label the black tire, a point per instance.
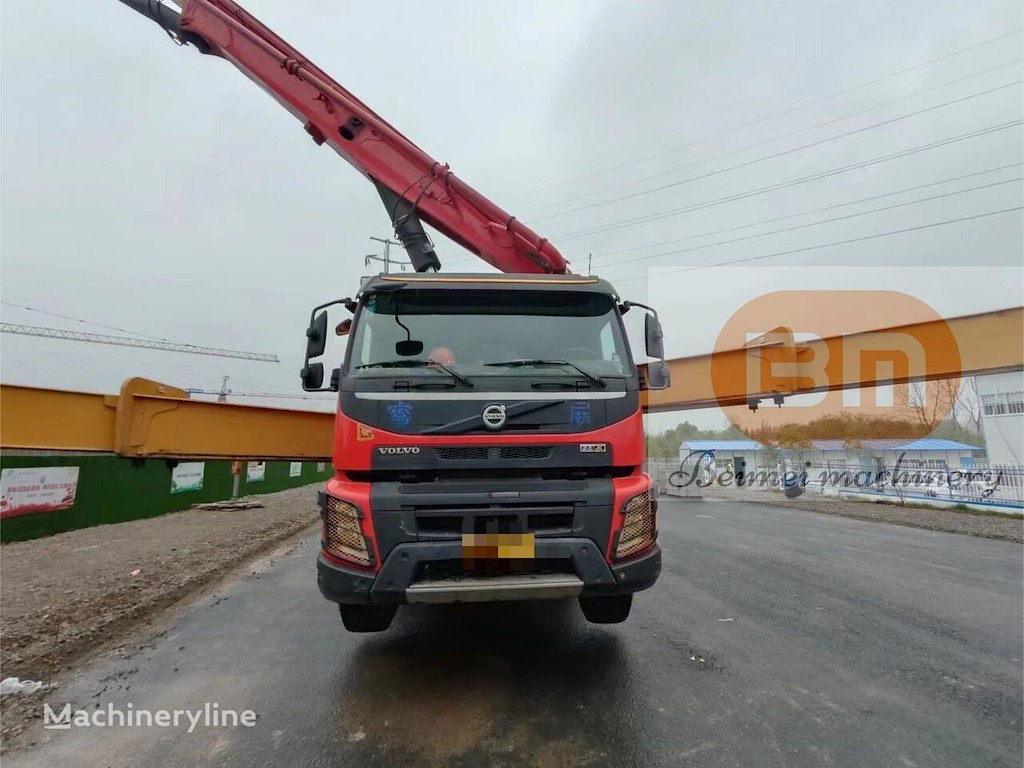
(606, 610)
(367, 618)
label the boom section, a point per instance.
(412, 184)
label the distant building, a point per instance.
(1002, 416)
(751, 456)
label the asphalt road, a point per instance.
(774, 638)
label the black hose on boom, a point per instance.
(409, 231)
(167, 18)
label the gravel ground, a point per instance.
(934, 519)
(69, 594)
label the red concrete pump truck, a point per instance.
(489, 443)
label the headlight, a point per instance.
(342, 535)
(638, 528)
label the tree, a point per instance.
(665, 445)
(927, 404)
(968, 402)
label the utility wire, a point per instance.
(807, 213)
(277, 395)
(861, 239)
(766, 118)
(787, 184)
(623, 262)
(775, 155)
(773, 139)
(791, 215)
(80, 320)
(129, 341)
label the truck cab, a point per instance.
(488, 446)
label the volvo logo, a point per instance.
(494, 416)
(394, 450)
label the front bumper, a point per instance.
(396, 582)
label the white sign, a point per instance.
(37, 489)
(295, 469)
(321, 466)
(188, 476)
(255, 471)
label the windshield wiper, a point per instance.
(418, 364)
(524, 363)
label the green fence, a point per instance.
(111, 489)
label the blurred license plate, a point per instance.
(501, 546)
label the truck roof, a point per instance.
(488, 281)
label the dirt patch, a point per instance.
(442, 723)
(933, 519)
(68, 594)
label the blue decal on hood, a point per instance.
(579, 413)
(401, 413)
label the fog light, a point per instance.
(638, 529)
(342, 535)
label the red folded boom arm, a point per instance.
(413, 185)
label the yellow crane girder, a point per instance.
(149, 419)
(775, 365)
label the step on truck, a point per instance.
(489, 442)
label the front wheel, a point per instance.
(606, 610)
(367, 618)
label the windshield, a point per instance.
(470, 331)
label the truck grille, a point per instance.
(463, 453)
(531, 519)
(494, 452)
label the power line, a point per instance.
(861, 239)
(788, 216)
(277, 395)
(773, 139)
(766, 118)
(791, 183)
(127, 341)
(775, 155)
(812, 223)
(80, 320)
(807, 213)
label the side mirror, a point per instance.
(658, 376)
(654, 337)
(312, 376)
(316, 337)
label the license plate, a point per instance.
(498, 546)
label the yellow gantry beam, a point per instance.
(56, 419)
(152, 419)
(149, 419)
(774, 364)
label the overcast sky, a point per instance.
(149, 188)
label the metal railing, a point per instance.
(670, 477)
(997, 485)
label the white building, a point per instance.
(1002, 419)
